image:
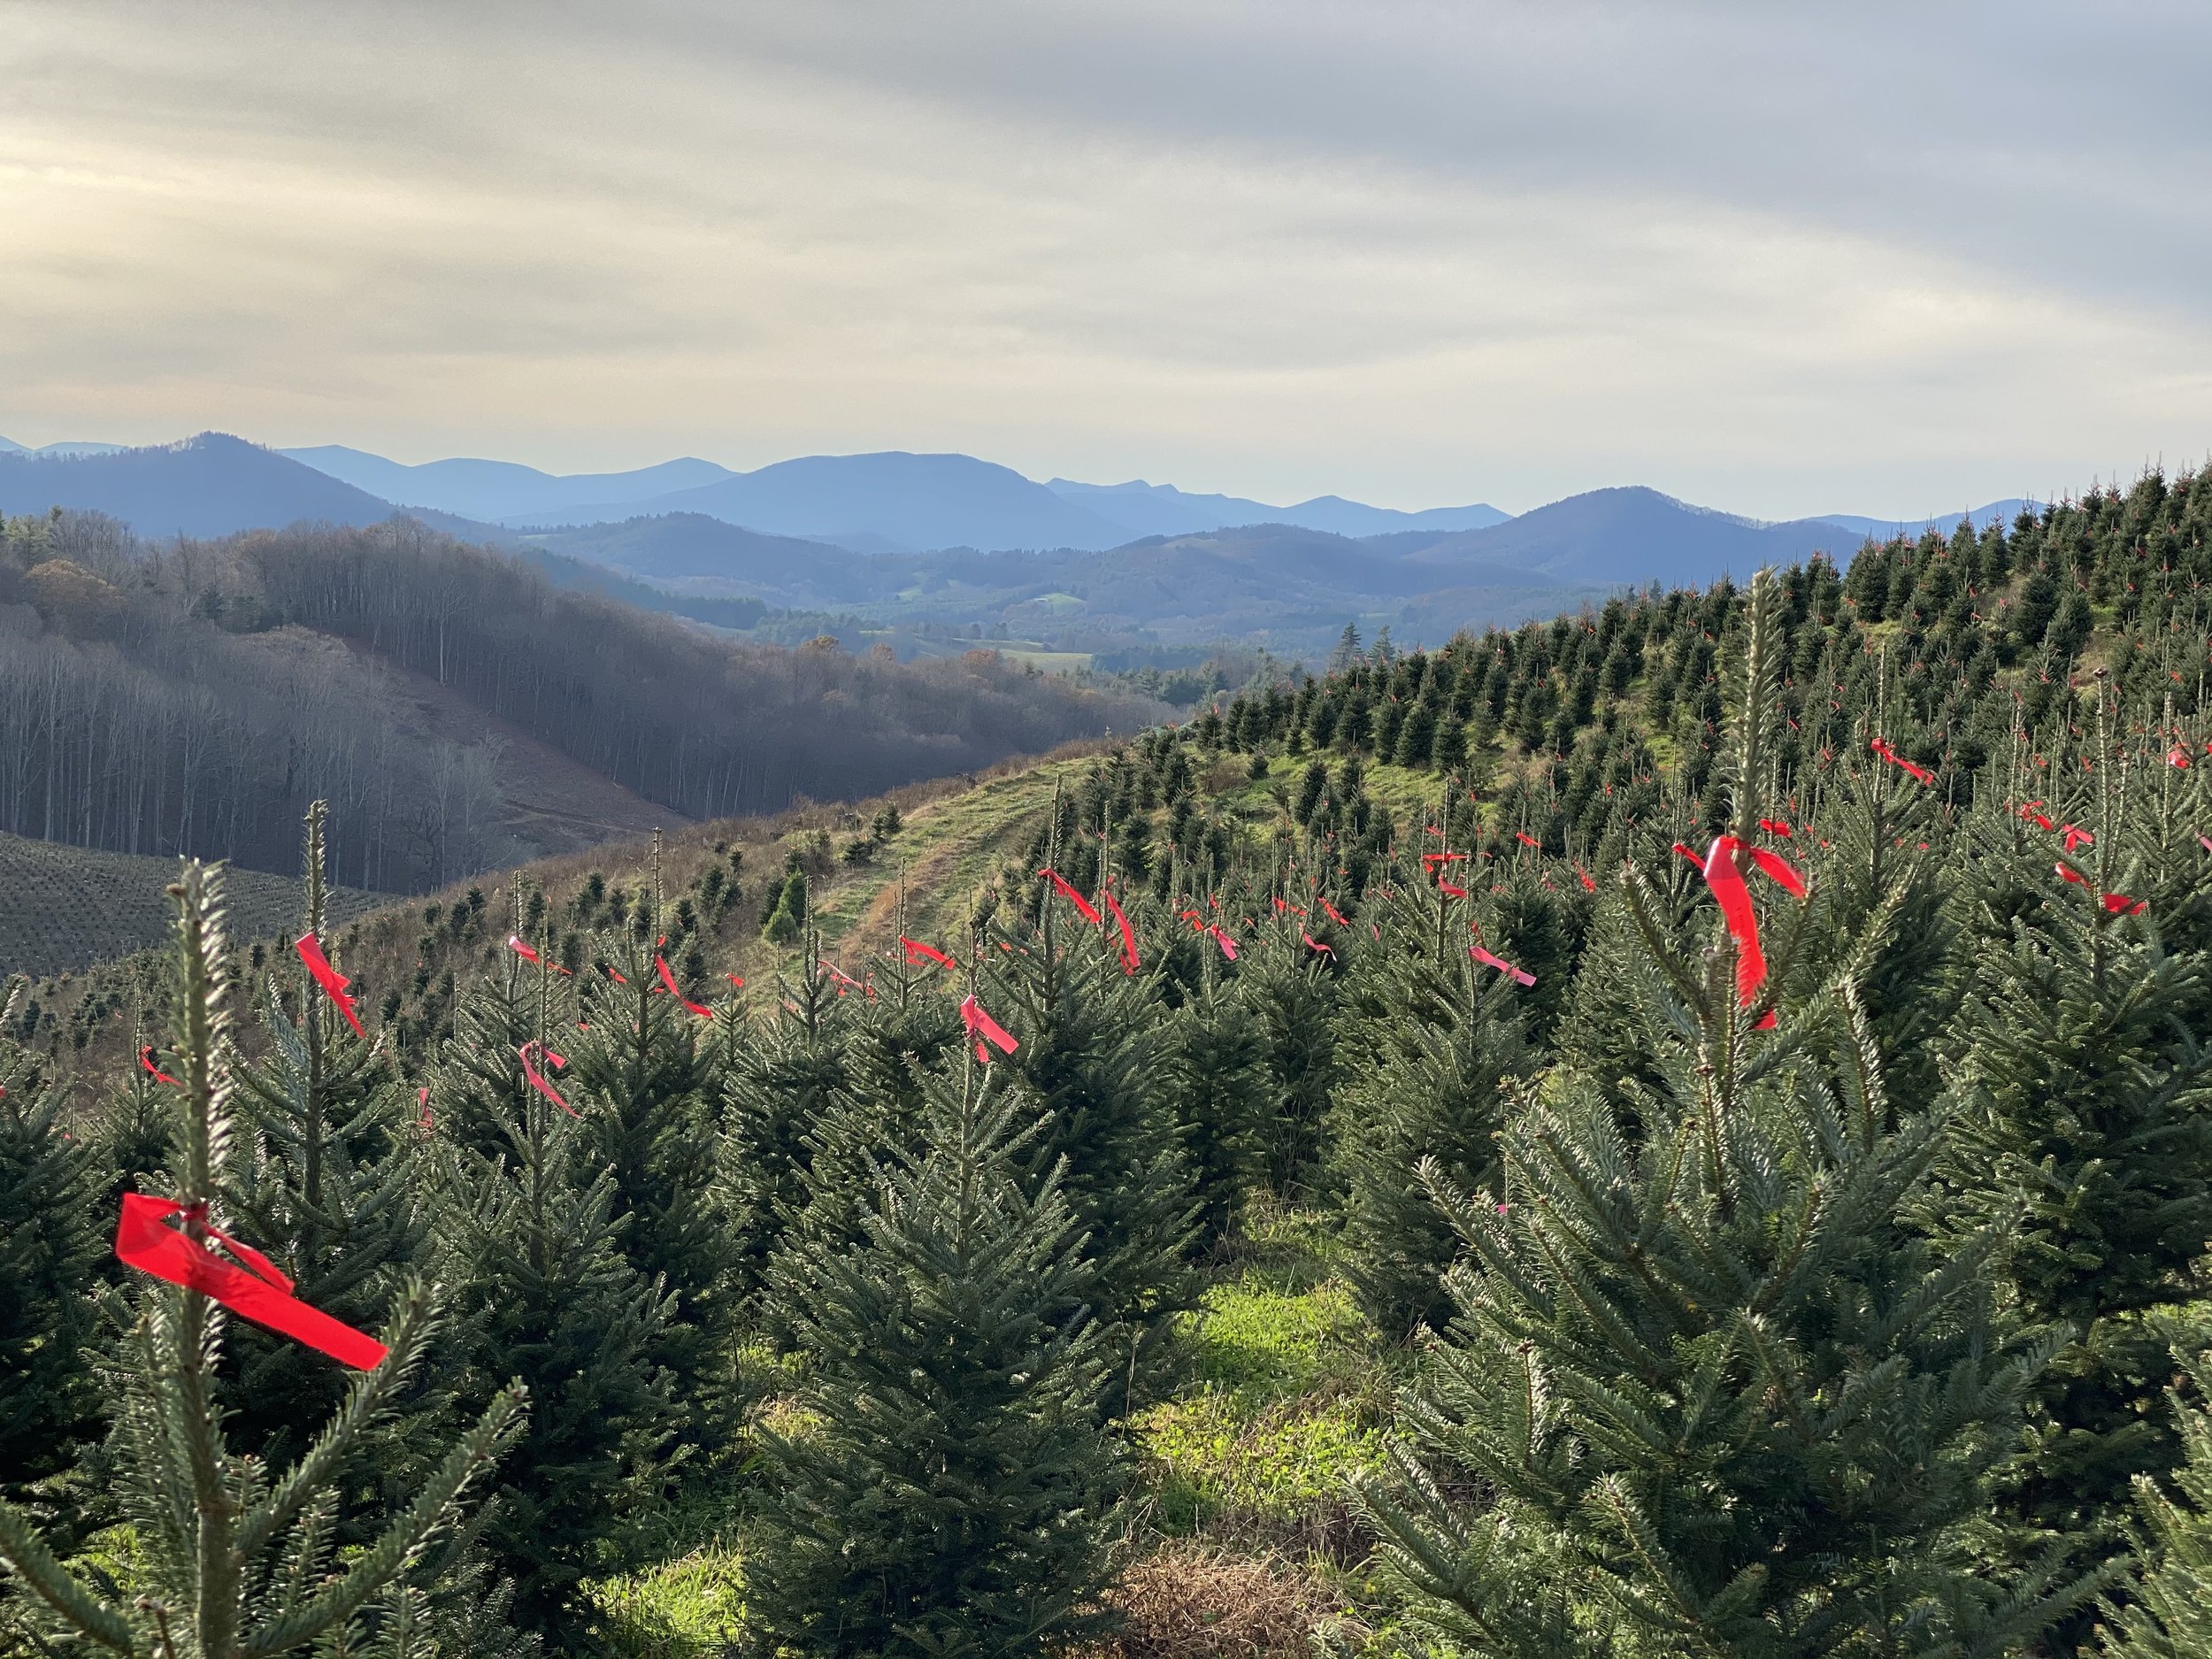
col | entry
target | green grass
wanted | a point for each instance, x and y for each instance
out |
(691, 1607)
(1287, 1401)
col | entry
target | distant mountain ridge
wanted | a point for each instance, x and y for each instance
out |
(1163, 510)
(847, 535)
(210, 485)
(495, 490)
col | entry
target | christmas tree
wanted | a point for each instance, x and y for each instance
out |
(50, 1247)
(640, 1076)
(1091, 1055)
(2085, 1128)
(778, 1089)
(329, 1182)
(2167, 1613)
(1726, 1400)
(950, 1489)
(232, 1564)
(1442, 1036)
(530, 1235)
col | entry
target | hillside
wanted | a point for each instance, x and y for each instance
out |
(67, 907)
(459, 709)
(1394, 912)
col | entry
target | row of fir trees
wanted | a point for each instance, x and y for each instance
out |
(1784, 1187)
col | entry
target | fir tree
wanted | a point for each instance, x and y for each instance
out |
(1726, 1402)
(875, 1109)
(1291, 1000)
(51, 1248)
(230, 1562)
(546, 1294)
(1091, 1055)
(1217, 1063)
(777, 1090)
(2087, 1132)
(2168, 1611)
(1440, 1035)
(641, 1077)
(327, 1184)
(953, 1492)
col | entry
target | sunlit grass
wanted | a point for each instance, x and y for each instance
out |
(691, 1607)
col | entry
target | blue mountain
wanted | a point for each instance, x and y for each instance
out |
(208, 486)
(1163, 510)
(494, 490)
(883, 503)
(1629, 536)
(2001, 512)
(8, 446)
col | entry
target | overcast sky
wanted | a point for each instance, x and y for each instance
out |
(1784, 260)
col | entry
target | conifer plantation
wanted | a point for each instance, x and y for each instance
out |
(1681, 1130)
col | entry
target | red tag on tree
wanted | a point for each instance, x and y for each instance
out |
(333, 982)
(256, 1291)
(1083, 906)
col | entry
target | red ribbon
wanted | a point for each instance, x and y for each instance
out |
(1526, 839)
(1431, 860)
(917, 951)
(669, 979)
(1449, 891)
(2070, 874)
(1691, 855)
(1314, 944)
(2120, 904)
(1588, 885)
(1920, 774)
(1734, 899)
(537, 1078)
(256, 1291)
(2076, 836)
(1333, 915)
(1500, 965)
(515, 944)
(1228, 945)
(146, 1062)
(2178, 756)
(1083, 906)
(1129, 963)
(1778, 868)
(422, 1109)
(738, 980)
(1775, 826)
(333, 983)
(981, 1025)
(2036, 817)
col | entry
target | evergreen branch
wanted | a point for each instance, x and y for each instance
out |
(28, 1557)
(407, 1336)
(400, 1541)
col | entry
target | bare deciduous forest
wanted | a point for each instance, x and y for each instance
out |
(192, 697)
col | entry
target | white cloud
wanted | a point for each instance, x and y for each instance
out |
(1783, 260)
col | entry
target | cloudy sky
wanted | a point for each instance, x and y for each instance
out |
(1785, 259)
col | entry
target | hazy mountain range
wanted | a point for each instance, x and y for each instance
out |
(958, 540)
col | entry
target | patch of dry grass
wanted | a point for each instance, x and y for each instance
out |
(1187, 1599)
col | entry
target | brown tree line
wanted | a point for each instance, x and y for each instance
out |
(193, 696)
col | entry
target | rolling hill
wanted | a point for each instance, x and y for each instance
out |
(494, 490)
(210, 485)
(888, 502)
